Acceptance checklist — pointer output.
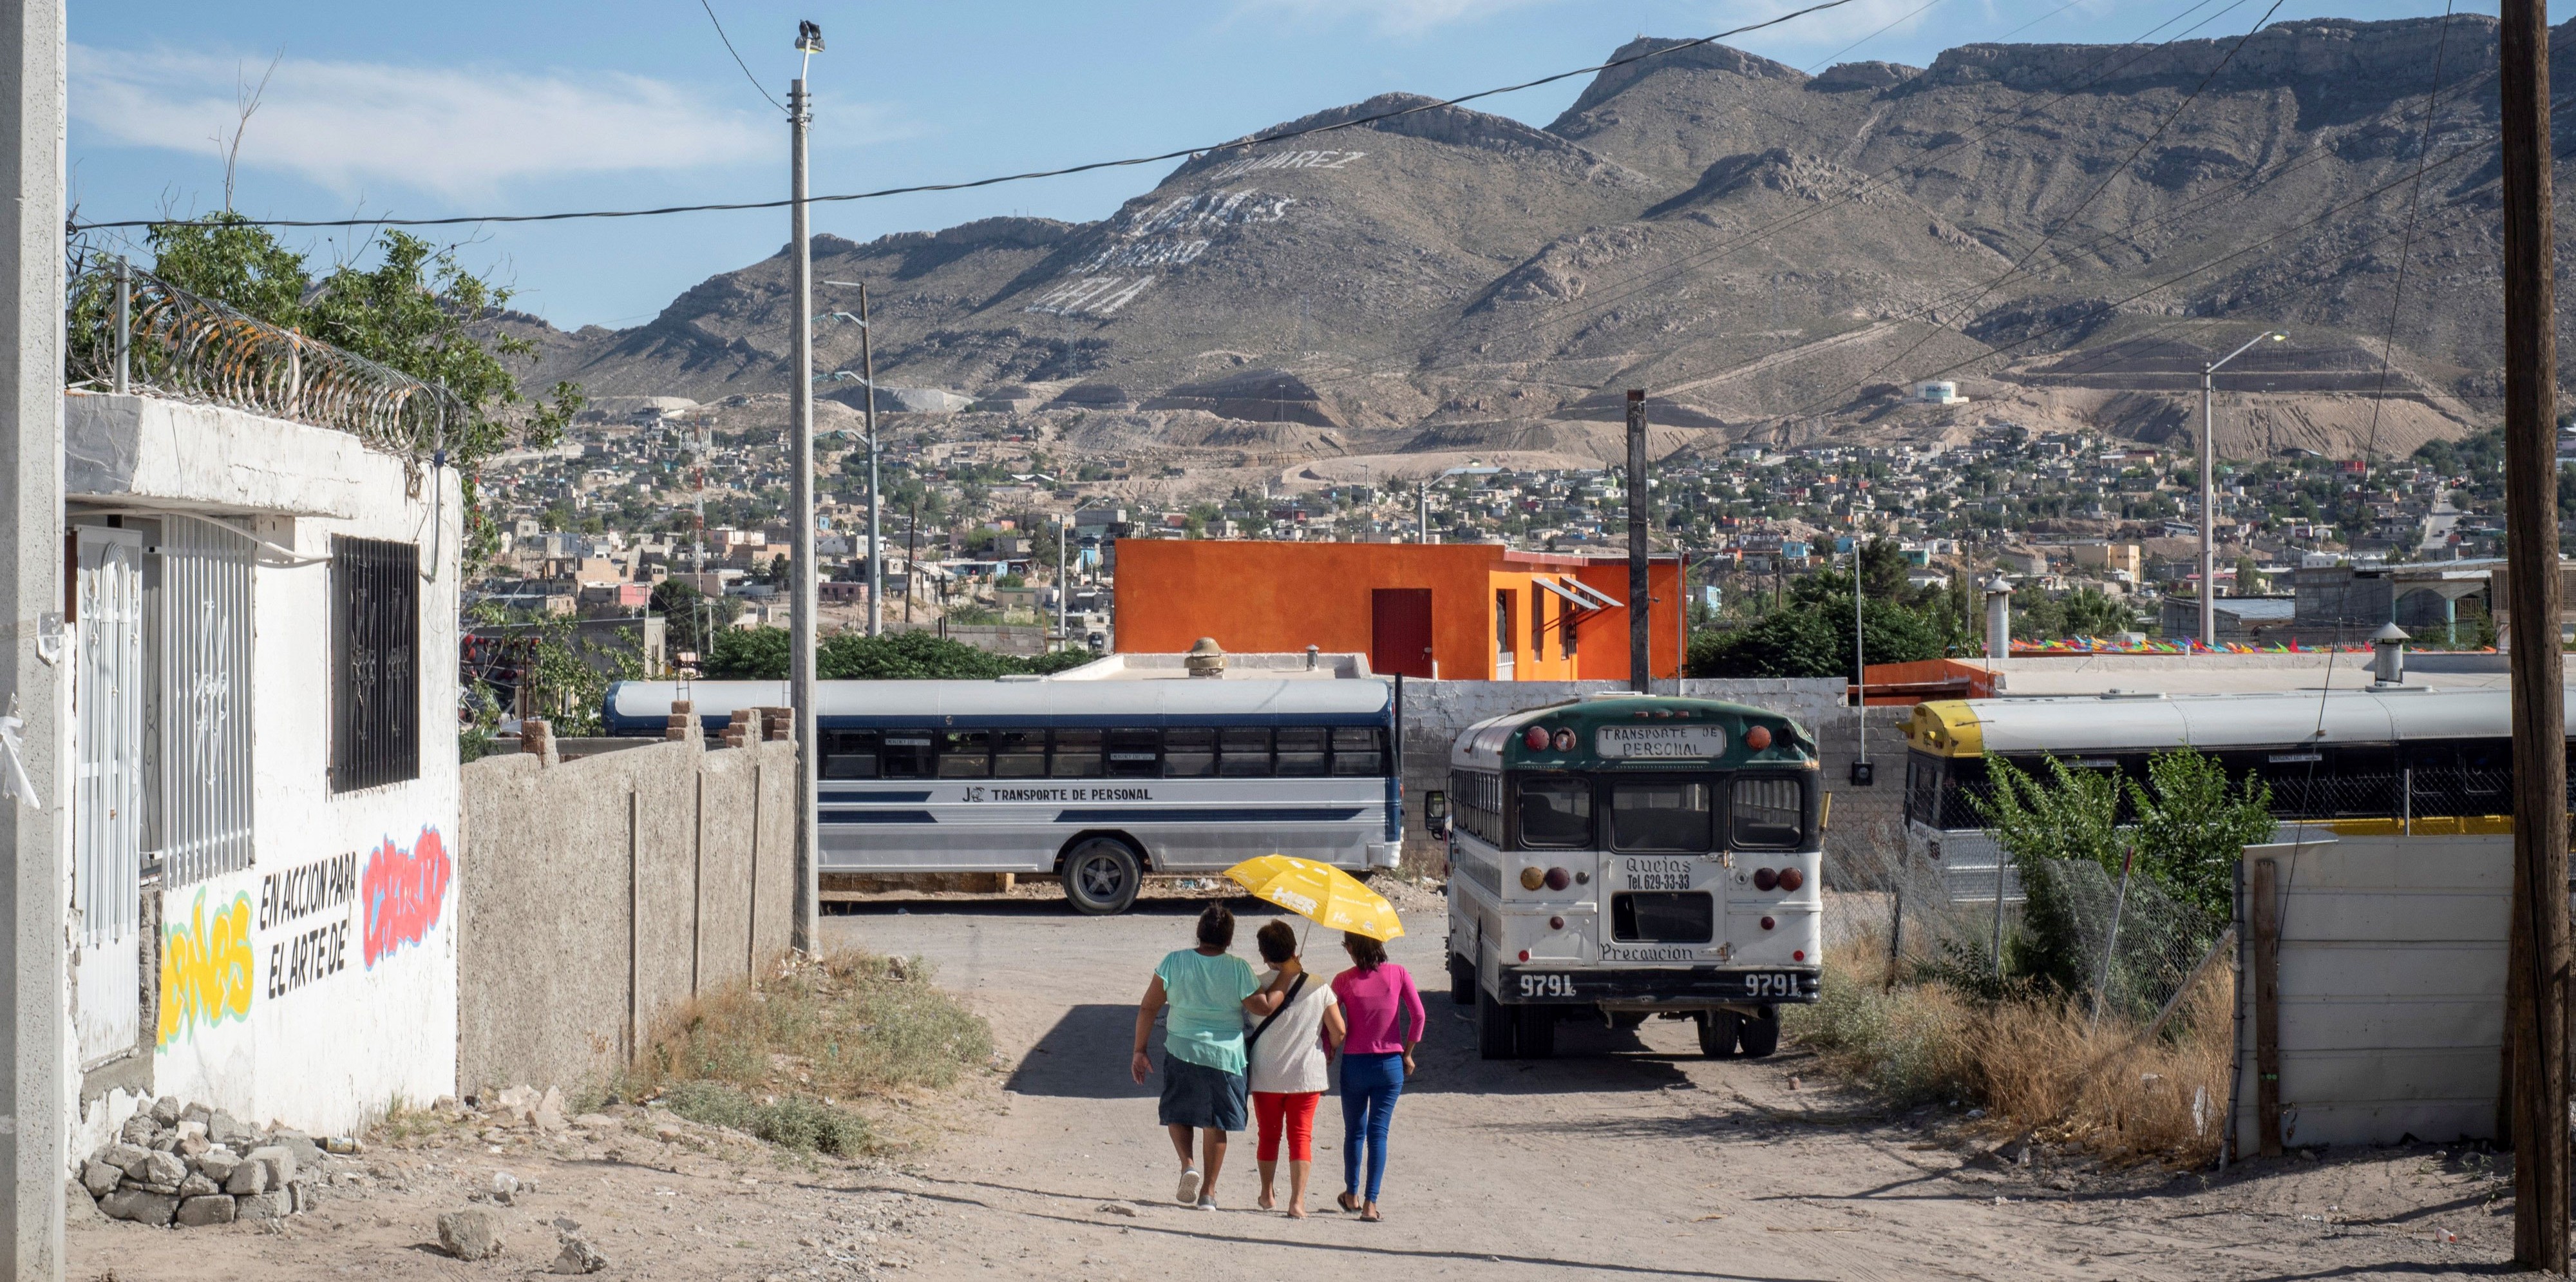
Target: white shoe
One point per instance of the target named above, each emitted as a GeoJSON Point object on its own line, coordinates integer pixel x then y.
{"type": "Point", "coordinates": [1188, 1193]}
{"type": "Point", "coordinates": [1207, 1204]}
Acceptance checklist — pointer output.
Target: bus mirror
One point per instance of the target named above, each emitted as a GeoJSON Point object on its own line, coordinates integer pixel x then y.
{"type": "Point", "coordinates": [1435, 812]}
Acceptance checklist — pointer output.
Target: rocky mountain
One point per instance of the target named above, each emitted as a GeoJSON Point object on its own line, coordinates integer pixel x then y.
{"type": "Point", "coordinates": [2067, 231]}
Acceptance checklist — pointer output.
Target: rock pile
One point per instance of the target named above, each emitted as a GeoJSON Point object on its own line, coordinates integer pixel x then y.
{"type": "Point", "coordinates": [189, 1165]}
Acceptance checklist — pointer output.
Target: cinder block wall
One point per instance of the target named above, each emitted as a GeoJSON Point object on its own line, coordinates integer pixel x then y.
{"type": "Point", "coordinates": [1436, 711]}
{"type": "Point", "coordinates": [599, 893]}
{"type": "Point", "coordinates": [1865, 829]}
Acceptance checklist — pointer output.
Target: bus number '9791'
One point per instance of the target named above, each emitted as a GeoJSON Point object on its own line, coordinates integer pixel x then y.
{"type": "Point", "coordinates": [1547, 986]}
{"type": "Point", "coordinates": [1770, 984]}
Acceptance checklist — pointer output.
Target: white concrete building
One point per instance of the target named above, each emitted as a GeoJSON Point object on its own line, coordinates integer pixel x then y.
{"type": "Point", "coordinates": [261, 650]}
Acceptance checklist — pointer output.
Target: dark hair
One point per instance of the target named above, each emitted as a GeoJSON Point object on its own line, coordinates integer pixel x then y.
{"type": "Point", "coordinates": [1369, 953]}
{"type": "Point", "coordinates": [1278, 942]}
{"type": "Point", "coordinates": [1216, 927]}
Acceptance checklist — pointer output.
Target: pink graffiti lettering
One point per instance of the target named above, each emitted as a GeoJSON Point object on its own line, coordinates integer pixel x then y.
{"type": "Point", "coordinates": [404, 891]}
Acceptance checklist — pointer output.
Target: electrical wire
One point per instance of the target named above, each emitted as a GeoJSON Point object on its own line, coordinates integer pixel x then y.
{"type": "Point", "coordinates": [737, 56]}
{"type": "Point", "coordinates": [1188, 153]}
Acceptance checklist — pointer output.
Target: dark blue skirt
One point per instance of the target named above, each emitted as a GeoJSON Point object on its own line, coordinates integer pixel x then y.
{"type": "Point", "coordinates": [1196, 1095]}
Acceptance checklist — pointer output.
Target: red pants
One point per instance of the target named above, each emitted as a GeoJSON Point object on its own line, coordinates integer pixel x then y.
{"type": "Point", "coordinates": [1272, 1110]}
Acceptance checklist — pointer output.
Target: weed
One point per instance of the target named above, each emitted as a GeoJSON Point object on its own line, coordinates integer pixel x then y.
{"type": "Point", "coordinates": [799, 1122]}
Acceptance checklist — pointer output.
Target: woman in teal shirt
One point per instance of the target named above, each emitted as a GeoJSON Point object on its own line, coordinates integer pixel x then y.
{"type": "Point", "coordinates": [1208, 991]}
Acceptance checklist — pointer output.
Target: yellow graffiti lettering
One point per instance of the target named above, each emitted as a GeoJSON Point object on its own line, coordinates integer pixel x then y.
{"type": "Point", "coordinates": [206, 972]}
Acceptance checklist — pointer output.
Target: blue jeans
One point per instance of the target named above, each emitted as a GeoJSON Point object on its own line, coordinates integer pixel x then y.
{"type": "Point", "coordinates": [1370, 1085]}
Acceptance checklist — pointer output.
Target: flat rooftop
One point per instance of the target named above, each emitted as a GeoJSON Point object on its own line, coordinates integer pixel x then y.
{"type": "Point", "coordinates": [1295, 666]}
{"type": "Point", "coordinates": [2236, 673]}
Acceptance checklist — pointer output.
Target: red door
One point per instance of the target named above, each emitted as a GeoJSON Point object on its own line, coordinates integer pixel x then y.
{"type": "Point", "coordinates": [1400, 631]}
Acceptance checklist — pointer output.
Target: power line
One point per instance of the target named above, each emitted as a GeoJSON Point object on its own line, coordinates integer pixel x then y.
{"type": "Point", "coordinates": [737, 56]}
{"type": "Point", "coordinates": [1238, 144]}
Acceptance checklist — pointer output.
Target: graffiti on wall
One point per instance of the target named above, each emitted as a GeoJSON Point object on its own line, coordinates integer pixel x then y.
{"type": "Point", "coordinates": [206, 968]}
{"type": "Point", "coordinates": [313, 902]}
{"type": "Point", "coordinates": [403, 891]}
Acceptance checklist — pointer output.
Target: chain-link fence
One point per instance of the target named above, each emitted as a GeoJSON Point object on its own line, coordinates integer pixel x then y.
{"type": "Point", "coordinates": [129, 330]}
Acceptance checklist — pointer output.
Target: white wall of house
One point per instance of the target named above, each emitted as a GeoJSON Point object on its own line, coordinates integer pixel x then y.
{"type": "Point", "coordinates": [319, 984]}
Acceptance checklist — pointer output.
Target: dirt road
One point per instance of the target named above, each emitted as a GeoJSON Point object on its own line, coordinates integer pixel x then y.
{"type": "Point", "coordinates": [1627, 1156]}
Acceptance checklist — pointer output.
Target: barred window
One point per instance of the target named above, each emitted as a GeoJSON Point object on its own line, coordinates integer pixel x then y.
{"type": "Point", "coordinates": [375, 654]}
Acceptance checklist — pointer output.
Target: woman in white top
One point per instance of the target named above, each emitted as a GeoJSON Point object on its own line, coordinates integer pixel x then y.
{"type": "Point", "coordinates": [1288, 1053]}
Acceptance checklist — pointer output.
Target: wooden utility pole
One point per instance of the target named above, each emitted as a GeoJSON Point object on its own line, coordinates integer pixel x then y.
{"type": "Point", "coordinates": [2536, 966]}
{"type": "Point", "coordinates": [1640, 601]}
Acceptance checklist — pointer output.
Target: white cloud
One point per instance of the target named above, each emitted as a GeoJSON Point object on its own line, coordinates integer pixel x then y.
{"type": "Point", "coordinates": [451, 131]}
{"type": "Point", "coordinates": [1399, 16]}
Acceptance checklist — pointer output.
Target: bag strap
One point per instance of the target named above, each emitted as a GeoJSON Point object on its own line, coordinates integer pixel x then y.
{"type": "Point", "coordinates": [1274, 1015]}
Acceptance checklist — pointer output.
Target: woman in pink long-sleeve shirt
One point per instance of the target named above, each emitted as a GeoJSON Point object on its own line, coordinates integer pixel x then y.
{"type": "Point", "coordinates": [1377, 1057]}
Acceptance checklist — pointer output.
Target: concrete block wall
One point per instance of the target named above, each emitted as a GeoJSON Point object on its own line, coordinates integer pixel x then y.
{"type": "Point", "coordinates": [1436, 711]}
{"type": "Point", "coordinates": [601, 893]}
{"type": "Point", "coordinates": [1865, 827]}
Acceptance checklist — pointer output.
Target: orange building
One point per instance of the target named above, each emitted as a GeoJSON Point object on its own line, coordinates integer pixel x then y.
{"type": "Point", "coordinates": [1456, 611]}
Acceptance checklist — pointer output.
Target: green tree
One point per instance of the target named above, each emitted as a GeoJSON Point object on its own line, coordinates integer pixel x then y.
{"type": "Point", "coordinates": [690, 620]}
{"type": "Point", "coordinates": [760, 654]}
{"type": "Point", "coordinates": [2072, 817]}
{"type": "Point", "coordinates": [2089, 612]}
{"type": "Point", "coordinates": [2192, 828]}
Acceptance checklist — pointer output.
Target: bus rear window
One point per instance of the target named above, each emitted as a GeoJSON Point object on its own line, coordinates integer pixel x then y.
{"type": "Point", "coordinates": [1650, 815]}
{"type": "Point", "coordinates": [1556, 814]}
{"type": "Point", "coordinates": [850, 754]}
{"type": "Point", "coordinates": [1767, 814]}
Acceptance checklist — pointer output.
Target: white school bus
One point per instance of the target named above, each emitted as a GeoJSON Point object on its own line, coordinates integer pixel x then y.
{"type": "Point", "coordinates": [1636, 856]}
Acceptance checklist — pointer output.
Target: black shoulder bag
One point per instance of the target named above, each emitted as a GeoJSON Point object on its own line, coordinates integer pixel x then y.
{"type": "Point", "coordinates": [1273, 1017]}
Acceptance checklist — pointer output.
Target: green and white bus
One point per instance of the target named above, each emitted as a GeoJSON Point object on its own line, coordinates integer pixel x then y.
{"type": "Point", "coordinates": [1635, 855]}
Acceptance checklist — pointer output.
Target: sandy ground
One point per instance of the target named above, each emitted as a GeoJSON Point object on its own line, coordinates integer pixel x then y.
{"type": "Point", "coordinates": [1627, 1156]}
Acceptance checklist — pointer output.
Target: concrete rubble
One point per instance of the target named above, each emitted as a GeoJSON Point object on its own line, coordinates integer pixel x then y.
{"type": "Point", "coordinates": [187, 1165]}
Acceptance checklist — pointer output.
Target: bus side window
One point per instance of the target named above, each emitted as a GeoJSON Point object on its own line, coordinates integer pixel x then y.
{"type": "Point", "coordinates": [1556, 814]}
{"type": "Point", "coordinates": [1189, 752]}
{"type": "Point", "coordinates": [1358, 750]}
{"type": "Point", "coordinates": [1135, 753]}
{"type": "Point", "coordinates": [1243, 751]}
{"type": "Point", "coordinates": [1301, 750]}
{"type": "Point", "coordinates": [1019, 754]}
{"type": "Point", "coordinates": [965, 754]}
{"type": "Point", "coordinates": [1765, 814]}
{"type": "Point", "coordinates": [850, 754]}
{"type": "Point", "coordinates": [1077, 754]}
{"type": "Point", "coordinates": [907, 754]}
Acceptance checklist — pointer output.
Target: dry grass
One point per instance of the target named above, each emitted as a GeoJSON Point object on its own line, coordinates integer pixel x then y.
{"type": "Point", "coordinates": [2037, 1064]}
{"type": "Point", "coordinates": [793, 1057]}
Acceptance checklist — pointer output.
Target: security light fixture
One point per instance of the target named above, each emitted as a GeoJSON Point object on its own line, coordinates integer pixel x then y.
{"type": "Point", "coordinates": [809, 38]}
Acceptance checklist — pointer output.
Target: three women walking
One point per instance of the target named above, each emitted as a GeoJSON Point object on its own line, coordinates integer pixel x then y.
{"type": "Point", "coordinates": [1372, 1013]}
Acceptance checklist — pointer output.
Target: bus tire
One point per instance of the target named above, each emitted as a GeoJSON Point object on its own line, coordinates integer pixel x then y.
{"type": "Point", "coordinates": [1497, 1028]}
{"type": "Point", "coordinates": [1761, 1036]}
{"type": "Point", "coordinates": [1102, 876]}
{"type": "Point", "coordinates": [1462, 981]}
{"type": "Point", "coordinates": [1538, 1032]}
{"type": "Point", "coordinates": [1718, 1031]}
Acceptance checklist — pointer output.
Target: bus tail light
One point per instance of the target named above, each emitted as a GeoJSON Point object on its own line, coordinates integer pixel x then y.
{"type": "Point", "coordinates": [1766, 923]}
{"type": "Point", "coordinates": [1535, 738]}
{"type": "Point", "coordinates": [1564, 741]}
{"type": "Point", "coordinates": [1532, 878]}
{"type": "Point", "coordinates": [1765, 880]}
{"type": "Point", "coordinates": [1556, 923]}
{"type": "Point", "coordinates": [1791, 879]}
{"type": "Point", "coordinates": [1524, 954]}
{"type": "Point", "coordinates": [1757, 738]}
{"type": "Point", "coordinates": [1559, 879]}
{"type": "Point", "coordinates": [1798, 954]}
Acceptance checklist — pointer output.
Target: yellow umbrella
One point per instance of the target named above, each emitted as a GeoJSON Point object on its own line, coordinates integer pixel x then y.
{"type": "Point", "coordinates": [1320, 893]}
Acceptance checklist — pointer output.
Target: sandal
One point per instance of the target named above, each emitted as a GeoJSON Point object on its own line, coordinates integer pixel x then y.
{"type": "Point", "coordinates": [1346, 1202]}
{"type": "Point", "coordinates": [1371, 1217]}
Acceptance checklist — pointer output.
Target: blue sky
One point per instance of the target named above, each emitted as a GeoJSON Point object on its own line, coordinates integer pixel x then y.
{"type": "Point", "coordinates": [474, 106]}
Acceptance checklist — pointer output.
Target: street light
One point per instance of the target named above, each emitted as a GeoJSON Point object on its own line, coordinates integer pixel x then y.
{"type": "Point", "coordinates": [2209, 490]}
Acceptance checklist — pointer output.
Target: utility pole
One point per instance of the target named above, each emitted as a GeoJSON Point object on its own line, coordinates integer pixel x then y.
{"type": "Point", "coordinates": [800, 492]}
{"type": "Point", "coordinates": [912, 559]}
{"type": "Point", "coordinates": [2536, 952]}
{"type": "Point", "coordinates": [31, 592]}
{"type": "Point", "coordinates": [876, 547]}
{"type": "Point", "coordinates": [1860, 775]}
{"type": "Point", "coordinates": [1062, 582]}
{"type": "Point", "coordinates": [2209, 490]}
{"type": "Point", "coordinates": [1640, 601]}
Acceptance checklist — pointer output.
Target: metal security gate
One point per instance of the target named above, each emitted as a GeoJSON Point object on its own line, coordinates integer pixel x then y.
{"type": "Point", "coordinates": [203, 737]}
{"type": "Point", "coordinates": [109, 687]}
